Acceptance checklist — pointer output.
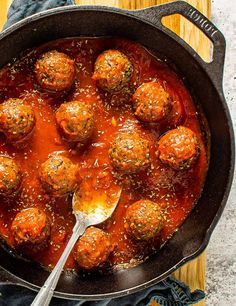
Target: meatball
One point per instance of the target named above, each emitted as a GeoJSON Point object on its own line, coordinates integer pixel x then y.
{"type": "Point", "coordinates": [178, 148]}
{"type": "Point", "coordinates": [112, 70]}
{"type": "Point", "coordinates": [59, 176]}
{"type": "Point", "coordinates": [76, 121]}
{"type": "Point", "coordinates": [129, 152]}
{"type": "Point", "coordinates": [17, 119]}
{"type": "Point", "coordinates": [93, 248]}
{"type": "Point", "coordinates": [55, 71]}
{"type": "Point", "coordinates": [143, 220]}
{"type": "Point", "coordinates": [30, 226]}
{"type": "Point", "coordinates": [10, 176]}
{"type": "Point", "coordinates": [151, 102]}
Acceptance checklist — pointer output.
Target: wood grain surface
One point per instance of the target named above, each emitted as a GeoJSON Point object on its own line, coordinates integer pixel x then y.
{"type": "Point", "coordinates": [192, 273]}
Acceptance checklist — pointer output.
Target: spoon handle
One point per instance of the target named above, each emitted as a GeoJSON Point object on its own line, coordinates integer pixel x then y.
{"type": "Point", "coordinates": [46, 292]}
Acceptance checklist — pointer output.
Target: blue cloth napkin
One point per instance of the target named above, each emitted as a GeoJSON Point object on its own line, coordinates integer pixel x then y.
{"type": "Point", "coordinates": [168, 292]}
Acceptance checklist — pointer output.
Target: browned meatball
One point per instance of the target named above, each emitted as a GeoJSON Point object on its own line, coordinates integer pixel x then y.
{"type": "Point", "coordinates": [55, 71]}
{"type": "Point", "coordinates": [151, 102]}
{"type": "Point", "coordinates": [129, 152]}
{"type": "Point", "coordinates": [17, 119]}
{"type": "Point", "coordinates": [178, 148]}
{"type": "Point", "coordinates": [93, 248]}
{"type": "Point", "coordinates": [143, 220]}
{"type": "Point", "coordinates": [10, 176]}
{"type": "Point", "coordinates": [76, 121]}
{"type": "Point", "coordinates": [59, 176]}
{"type": "Point", "coordinates": [30, 226]}
{"type": "Point", "coordinates": [112, 71]}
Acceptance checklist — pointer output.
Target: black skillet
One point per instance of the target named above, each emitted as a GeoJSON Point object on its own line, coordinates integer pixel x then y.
{"type": "Point", "coordinates": [204, 80]}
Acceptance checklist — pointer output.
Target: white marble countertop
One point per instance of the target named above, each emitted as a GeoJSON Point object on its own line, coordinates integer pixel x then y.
{"type": "Point", "coordinates": [221, 252]}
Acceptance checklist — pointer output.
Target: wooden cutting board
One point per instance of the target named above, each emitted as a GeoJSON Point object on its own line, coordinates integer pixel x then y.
{"type": "Point", "coordinates": [192, 273]}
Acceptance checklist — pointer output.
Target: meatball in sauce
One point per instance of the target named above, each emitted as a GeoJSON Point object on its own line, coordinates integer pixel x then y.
{"type": "Point", "coordinates": [75, 120]}
{"type": "Point", "coordinates": [129, 152]}
{"type": "Point", "coordinates": [93, 248]}
{"type": "Point", "coordinates": [59, 176]}
{"type": "Point", "coordinates": [112, 71]}
{"type": "Point", "coordinates": [10, 176]}
{"type": "Point", "coordinates": [55, 71]}
{"type": "Point", "coordinates": [143, 220]}
{"type": "Point", "coordinates": [178, 148]}
{"type": "Point", "coordinates": [30, 227]}
{"type": "Point", "coordinates": [17, 119]}
{"type": "Point", "coordinates": [152, 102]}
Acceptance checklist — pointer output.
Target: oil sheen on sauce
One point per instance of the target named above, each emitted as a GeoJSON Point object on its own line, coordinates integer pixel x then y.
{"type": "Point", "coordinates": [176, 191]}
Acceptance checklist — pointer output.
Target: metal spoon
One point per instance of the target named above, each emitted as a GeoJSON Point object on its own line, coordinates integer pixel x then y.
{"type": "Point", "coordinates": [91, 206]}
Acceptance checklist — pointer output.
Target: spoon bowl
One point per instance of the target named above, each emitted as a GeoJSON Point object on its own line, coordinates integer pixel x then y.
{"type": "Point", "coordinates": [96, 205]}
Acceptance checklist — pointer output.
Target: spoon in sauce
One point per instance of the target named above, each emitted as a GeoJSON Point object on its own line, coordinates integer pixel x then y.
{"type": "Point", "coordinates": [91, 206]}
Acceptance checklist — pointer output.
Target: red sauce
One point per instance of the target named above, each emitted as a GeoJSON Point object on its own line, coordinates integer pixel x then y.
{"type": "Point", "coordinates": [176, 191]}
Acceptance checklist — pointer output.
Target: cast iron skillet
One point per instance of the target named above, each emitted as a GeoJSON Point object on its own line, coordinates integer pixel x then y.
{"type": "Point", "coordinates": [205, 83]}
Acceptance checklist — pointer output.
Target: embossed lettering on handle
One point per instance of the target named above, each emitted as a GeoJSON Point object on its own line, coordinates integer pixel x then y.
{"type": "Point", "coordinates": [202, 22]}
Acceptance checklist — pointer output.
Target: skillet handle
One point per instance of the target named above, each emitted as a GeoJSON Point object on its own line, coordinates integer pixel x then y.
{"type": "Point", "coordinates": [154, 15]}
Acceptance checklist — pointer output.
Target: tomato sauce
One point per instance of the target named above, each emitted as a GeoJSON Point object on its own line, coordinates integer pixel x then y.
{"type": "Point", "coordinates": [176, 191]}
